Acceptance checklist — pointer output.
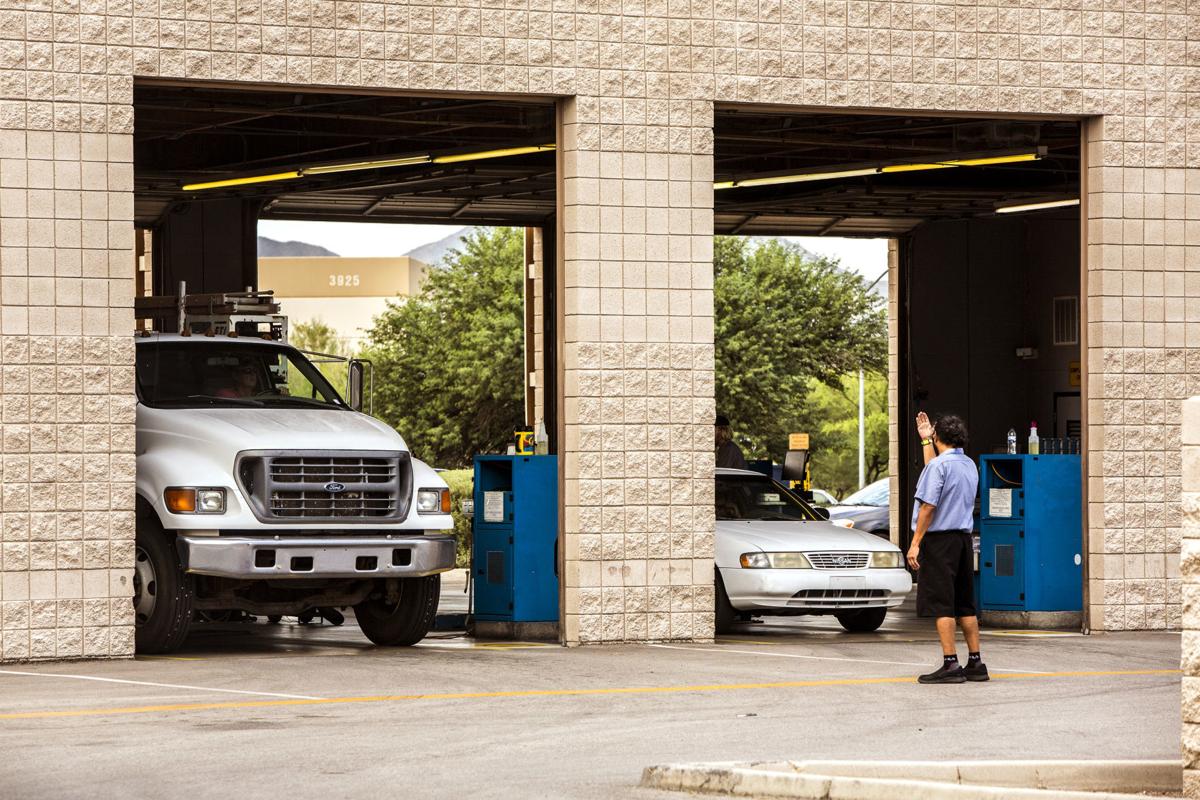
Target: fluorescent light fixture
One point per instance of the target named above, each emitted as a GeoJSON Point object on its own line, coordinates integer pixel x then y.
{"type": "Point", "coordinates": [482, 154]}
{"type": "Point", "coordinates": [984, 161]}
{"type": "Point", "coordinates": [771, 180]}
{"type": "Point", "coordinates": [355, 166]}
{"type": "Point", "coordinates": [972, 160]}
{"type": "Point", "coordinates": [359, 165]}
{"type": "Point", "coordinates": [1018, 207]}
{"type": "Point", "coordinates": [278, 176]}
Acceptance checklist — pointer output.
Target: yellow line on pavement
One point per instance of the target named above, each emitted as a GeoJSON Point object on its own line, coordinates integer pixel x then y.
{"type": "Point", "coordinates": [624, 690]}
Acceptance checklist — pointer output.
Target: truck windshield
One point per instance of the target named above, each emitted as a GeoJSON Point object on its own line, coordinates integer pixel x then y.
{"type": "Point", "coordinates": [196, 374]}
{"type": "Point", "coordinates": [749, 497]}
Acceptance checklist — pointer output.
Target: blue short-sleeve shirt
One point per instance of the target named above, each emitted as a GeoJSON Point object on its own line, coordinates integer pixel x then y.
{"type": "Point", "coordinates": [949, 482]}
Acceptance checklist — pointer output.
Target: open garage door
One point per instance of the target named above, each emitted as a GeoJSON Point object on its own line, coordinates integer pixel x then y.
{"type": "Point", "coordinates": [210, 163]}
{"type": "Point", "coordinates": [985, 318]}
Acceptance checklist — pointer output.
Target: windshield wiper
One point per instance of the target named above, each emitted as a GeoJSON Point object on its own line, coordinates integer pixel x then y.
{"type": "Point", "coordinates": [304, 401]}
{"type": "Point", "coordinates": [212, 398]}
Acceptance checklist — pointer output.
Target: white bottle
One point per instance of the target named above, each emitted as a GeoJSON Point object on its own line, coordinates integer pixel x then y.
{"type": "Point", "coordinates": [1012, 441]}
{"type": "Point", "coordinates": [541, 444]}
{"type": "Point", "coordinates": [1033, 438]}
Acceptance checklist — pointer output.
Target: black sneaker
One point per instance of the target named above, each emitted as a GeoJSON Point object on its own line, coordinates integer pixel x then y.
{"type": "Point", "coordinates": [976, 673]}
{"type": "Point", "coordinates": [945, 674]}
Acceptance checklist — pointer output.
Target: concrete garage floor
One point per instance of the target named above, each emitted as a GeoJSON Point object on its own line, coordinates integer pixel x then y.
{"type": "Point", "coordinates": [318, 712]}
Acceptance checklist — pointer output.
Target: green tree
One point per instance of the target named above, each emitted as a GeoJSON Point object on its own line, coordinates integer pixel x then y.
{"type": "Point", "coordinates": [833, 426]}
{"type": "Point", "coordinates": [449, 362]}
{"type": "Point", "coordinates": [316, 336]}
{"type": "Point", "coordinates": [782, 320]}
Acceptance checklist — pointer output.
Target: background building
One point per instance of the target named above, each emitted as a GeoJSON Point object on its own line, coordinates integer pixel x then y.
{"type": "Point", "coordinates": [344, 293]}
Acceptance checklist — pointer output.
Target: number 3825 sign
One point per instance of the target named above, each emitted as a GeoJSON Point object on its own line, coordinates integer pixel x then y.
{"type": "Point", "coordinates": [344, 279]}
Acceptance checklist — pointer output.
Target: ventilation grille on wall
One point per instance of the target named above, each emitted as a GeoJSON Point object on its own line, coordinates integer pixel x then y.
{"type": "Point", "coordinates": [1066, 320]}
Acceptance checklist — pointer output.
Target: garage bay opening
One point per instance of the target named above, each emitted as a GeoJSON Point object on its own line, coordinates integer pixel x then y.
{"type": "Point", "coordinates": [342, 299]}
{"type": "Point", "coordinates": [869, 267]}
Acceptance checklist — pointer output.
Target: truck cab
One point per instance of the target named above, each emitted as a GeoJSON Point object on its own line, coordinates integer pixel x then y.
{"type": "Point", "coordinates": [260, 489]}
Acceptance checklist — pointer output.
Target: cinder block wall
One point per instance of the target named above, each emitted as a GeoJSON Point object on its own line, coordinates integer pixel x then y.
{"type": "Point", "coordinates": [1190, 567]}
{"type": "Point", "coordinates": [636, 294]}
{"type": "Point", "coordinates": [66, 285]}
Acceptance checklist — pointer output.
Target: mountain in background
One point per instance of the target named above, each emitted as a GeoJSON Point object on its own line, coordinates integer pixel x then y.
{"type": "Point", "coordinates": [270, 248]}
{"type": "Point", "coordinates": [434, 252]}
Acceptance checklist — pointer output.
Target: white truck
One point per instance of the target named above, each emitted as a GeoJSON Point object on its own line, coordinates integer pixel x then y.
{"type": "Point", "coordinates": [259, 489]}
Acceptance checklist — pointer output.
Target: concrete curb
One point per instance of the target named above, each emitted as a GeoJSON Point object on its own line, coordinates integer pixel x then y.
{"type": "Point", "coordinates": [923, 780]}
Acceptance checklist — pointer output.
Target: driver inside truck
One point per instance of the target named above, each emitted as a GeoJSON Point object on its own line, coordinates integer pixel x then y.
{"type": "Point", "coordinates": [245, 380]}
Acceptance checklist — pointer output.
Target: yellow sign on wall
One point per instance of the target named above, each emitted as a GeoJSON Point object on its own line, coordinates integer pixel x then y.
{"type": "Point", "coordinates": [1073, 376]}
{"type": "Point", "coordinates": [797, 441]}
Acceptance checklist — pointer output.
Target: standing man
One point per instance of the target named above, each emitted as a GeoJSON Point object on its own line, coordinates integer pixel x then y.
{"type": "Point", "coordinates": [942, 548]}
{"type": "Point", "coordinates": [728, 453]}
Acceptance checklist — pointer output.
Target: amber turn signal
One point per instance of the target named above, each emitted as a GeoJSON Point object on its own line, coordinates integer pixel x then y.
{"type": "Point", "coordinates": [180, 501]}
{"type": "Point", "coordinates": [445, 501]}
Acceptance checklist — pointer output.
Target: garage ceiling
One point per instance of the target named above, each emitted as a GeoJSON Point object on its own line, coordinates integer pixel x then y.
{"type": "Point", "coordinates": [185, 134]}
{"type": "Point", "coordinates": [191, 133]}
{"type": "Point", "coordinates": [750, 142]}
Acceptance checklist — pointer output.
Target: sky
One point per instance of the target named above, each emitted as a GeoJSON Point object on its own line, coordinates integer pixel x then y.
{"type": "Point", "coordinates": [868, 257]}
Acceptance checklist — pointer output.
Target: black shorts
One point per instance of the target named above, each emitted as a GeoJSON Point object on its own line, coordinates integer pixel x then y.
{"type": "Point", "coordinates": [946, 580]}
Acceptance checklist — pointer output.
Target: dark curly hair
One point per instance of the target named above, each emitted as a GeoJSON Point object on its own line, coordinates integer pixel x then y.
{"type": "Point", "coordinates": [951, 430]}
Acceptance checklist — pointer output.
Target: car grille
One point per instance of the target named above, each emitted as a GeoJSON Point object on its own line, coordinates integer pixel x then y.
{"type": "Point", "coordinates": [301, 469]}
{"type": "Point", "coordinates": [837, 598]}
{"type": "Point", "coordinates": [838, 560]}
{"type": "Point", "coordinates": [316, 486]}
{"type": "Point", "coordinates": [328, 504]}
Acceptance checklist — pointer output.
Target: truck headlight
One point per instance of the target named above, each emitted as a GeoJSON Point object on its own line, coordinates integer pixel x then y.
{"type": "Point", "coordinates": [885, 559]}
{"type": "Point", "coordinates": [433, 501]}
{"type": "Point", "coordinates": [193, 500]}
{"type": "Point", "coordinates": [775, 561]}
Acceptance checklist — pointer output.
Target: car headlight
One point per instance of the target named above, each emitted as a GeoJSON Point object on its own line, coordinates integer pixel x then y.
{"type": "Point", "coordinates": [774, 561]}
{"type": "Point", "coordinates": [433, 501]}
{"type": "Point", "coordinates": [843, 523]}
{"type": "Point", "coordinates": [885, 559]}
{"type": "Point", "coordinates": [193, 500]}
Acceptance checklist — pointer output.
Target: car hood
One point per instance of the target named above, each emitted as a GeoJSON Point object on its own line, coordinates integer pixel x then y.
{"type": "Point", "coordinates": [799, 536]}
{"type": "Point", "coordinates": [268, 428]}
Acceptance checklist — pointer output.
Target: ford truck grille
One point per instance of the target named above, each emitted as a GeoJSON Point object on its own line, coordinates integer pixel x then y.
{"type": "Point", "coordinates": [321, 486]}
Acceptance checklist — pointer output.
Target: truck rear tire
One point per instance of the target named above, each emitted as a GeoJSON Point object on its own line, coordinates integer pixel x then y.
{"type": "Point", "coordinates": [162, 591]}
{"type": "Point", "coordinates": [406, 621]}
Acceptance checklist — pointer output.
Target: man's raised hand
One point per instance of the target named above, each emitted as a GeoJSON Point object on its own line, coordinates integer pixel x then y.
{"type": "Point", "coordinates": [924, 426]}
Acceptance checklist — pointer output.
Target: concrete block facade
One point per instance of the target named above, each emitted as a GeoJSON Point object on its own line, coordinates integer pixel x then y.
{"type": "Point", "coordinates": [1190, 565]}
{"type": "Point", "coordinates": [639, 80]}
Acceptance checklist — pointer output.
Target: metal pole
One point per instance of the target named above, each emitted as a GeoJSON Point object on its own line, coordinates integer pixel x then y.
{"type": "Point", "coordinates": [862, 434]}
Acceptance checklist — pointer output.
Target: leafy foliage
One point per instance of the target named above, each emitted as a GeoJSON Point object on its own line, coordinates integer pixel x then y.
{"type": "Point", "coordinates": [782, 321]}
{"type": "Point", "coordinates": [449, 362]}
{"type": "Point", "coordinates": [462, 487]}
{"type": "Point", "coordinates": [316, 336]}
{"type": "Point", "coordinates": [833, 423]}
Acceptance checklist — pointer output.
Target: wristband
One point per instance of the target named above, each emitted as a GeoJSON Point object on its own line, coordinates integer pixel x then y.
{"type": "Point", "coordinates": [926, 442]}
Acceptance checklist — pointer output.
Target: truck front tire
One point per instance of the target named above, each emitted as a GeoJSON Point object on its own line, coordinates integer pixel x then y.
{"type": "Point", "coordinates": [405, 621]}
{"type": "Point", "coordinates": [162, 592]}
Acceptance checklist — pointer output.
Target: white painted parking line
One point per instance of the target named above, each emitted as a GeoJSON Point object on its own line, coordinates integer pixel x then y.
{"type": "Point", "coordinates": [770, 653]}
{"type": "Point", "coordinates": [160, 685]}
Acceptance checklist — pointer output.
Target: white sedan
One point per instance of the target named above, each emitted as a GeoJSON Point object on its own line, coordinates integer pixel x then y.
{"type": "Point", "coordinates": [778, 555]}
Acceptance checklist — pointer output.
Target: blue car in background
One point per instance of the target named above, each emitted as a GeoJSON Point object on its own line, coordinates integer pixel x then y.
{"type": "Point", "coordinates": [868, 509]}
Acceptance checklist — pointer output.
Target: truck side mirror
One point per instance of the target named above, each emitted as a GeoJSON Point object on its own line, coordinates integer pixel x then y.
{"type": "Point", "coordinates": [355, 380]}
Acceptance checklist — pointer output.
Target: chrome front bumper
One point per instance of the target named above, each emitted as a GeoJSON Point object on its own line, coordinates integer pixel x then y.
{"type": "Point", "coordinates": [327, 557]}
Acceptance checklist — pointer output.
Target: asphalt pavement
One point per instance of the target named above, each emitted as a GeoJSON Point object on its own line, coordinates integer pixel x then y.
{"type": "Point", "coordinates": [317, 711]}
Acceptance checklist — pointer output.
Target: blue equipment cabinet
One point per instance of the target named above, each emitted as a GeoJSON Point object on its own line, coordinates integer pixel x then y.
{"type": "Point", "coordinates": [514, 552]}
{"type": "Point", "coordinates": [1031, 533]}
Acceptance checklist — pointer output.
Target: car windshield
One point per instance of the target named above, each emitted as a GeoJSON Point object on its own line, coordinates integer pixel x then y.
{"type": "Point", "coordinates": [204, 373]}
{"type": "Point", "coordinates": [874, 494]}
{"type": "Point", "coordinates": [751, 497]}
